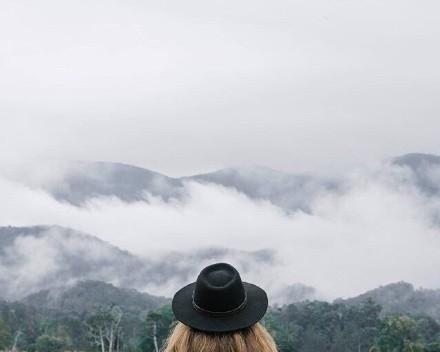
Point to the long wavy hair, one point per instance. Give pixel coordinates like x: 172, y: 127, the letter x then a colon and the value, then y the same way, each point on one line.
x: 252, y: 339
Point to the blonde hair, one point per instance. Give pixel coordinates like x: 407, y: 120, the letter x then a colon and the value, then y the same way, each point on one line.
x: 252, y: 339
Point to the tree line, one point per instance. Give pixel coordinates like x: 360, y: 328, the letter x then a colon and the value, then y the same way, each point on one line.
x: 311, y: 326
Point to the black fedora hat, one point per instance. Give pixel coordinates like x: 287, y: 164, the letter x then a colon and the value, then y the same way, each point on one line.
x: 219, y: 301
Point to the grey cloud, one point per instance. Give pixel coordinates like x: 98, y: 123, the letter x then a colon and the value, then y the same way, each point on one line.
x: 45, y: 257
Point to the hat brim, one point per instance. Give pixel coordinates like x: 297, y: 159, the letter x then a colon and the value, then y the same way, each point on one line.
x: 253, y: 311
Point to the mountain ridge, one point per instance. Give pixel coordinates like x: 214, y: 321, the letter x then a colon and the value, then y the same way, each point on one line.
x: 401, y: 297
x: 43, y: 257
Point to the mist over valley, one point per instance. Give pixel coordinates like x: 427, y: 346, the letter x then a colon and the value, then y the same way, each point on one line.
x: 65, y: 222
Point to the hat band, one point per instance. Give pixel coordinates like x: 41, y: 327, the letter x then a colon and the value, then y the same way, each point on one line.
x: 234, y: 310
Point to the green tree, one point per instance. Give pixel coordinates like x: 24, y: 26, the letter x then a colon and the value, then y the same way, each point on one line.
x: 322, y: 326
x: 46, y: 343
x: 157, y: 326
x: 286, y: 332
x: 432, y: 347
x: 428, y: 329
x: 399, y: 334
x: 361, y: 324
x: 5, y: 336
x: 104, y: 328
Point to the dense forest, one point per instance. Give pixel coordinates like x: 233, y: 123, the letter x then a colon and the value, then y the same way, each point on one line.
x: 94, y: 316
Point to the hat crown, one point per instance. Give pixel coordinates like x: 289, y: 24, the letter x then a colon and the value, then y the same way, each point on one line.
x: 219, y: 289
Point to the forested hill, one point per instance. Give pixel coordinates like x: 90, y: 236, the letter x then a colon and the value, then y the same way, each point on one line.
x: 86, y: 296
x: 38, y: 258
x: 402, y: 298
x: 62, y: 317
x: 66, y: 319
x: 42, y: 257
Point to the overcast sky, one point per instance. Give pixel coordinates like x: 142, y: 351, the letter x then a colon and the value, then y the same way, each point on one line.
x: 188, y: 86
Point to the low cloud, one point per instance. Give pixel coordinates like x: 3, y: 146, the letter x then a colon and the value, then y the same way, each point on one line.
x: 46, y: 257
x: 376, y: 230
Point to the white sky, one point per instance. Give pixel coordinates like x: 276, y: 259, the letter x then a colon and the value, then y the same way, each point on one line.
x: 188, y: 86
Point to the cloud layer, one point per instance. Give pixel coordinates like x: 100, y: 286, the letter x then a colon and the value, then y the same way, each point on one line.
x: 379, y: 229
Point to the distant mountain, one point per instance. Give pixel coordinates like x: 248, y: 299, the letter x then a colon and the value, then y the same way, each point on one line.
x: 285, y: 190
x: 425, y: 171
x: 417, y: 161
x: 402, y: 298
x: 82, y: 181
x: 79, y: 182
x: 86, y: 296
x: 40, y: 257
x: 43, y: 257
